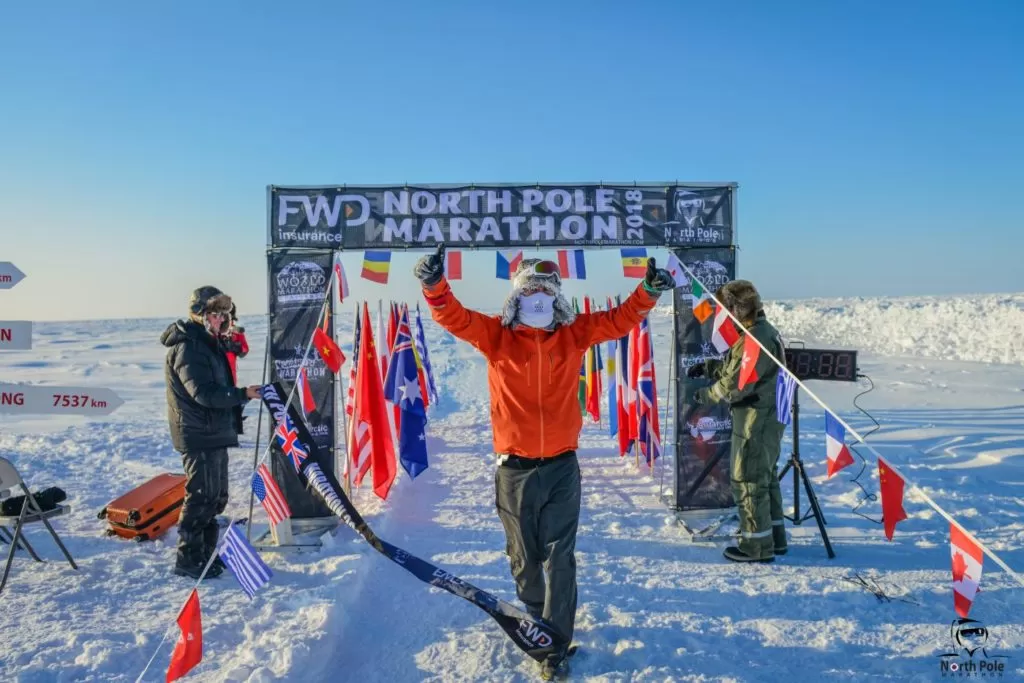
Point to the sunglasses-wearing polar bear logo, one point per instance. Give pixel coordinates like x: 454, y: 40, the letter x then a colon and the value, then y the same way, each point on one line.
x: 690, y: 208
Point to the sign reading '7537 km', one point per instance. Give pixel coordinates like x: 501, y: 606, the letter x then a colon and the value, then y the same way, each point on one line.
x: 28, y: 399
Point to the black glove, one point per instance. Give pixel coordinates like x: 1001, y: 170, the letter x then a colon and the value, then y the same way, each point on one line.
x: 696, y: 371
x: 430, y: 268
x: 657, y: 280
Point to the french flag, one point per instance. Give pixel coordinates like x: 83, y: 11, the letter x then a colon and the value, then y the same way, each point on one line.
x: 571, y: 264
x: 835, y: 445
x: 508, y: 261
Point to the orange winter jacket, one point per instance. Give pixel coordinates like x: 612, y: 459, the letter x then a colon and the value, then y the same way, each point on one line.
x: 533, y: 375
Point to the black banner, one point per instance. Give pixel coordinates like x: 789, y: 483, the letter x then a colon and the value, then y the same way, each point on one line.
x: 496, y: 216
x: 298, y: 284
x: 535, y: 637
x: 703, y: 433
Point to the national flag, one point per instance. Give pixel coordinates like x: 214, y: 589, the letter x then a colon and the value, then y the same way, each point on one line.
x: 244, y: 562
x: 649, y: 437
x: 748, y: 363
x: 891, y: 486
x: 703, y: 306
x: 591, y: 395
x: 675, y: 268
x: 304, y: 392
x: 723, y: 333
x: 288, y: 440
x: 188, y: 651
x: 340, y: 281
x: 571, y: 264
x: 420, y: 373
x: 835, y: 445
x: 270, y: 495
x: 350, y: 398
x: 328, y: 350
x: 403, y: 389
x: 785, y: 388
x: 376, y: 266
x: 424, y: 353
x: 622, y: 394
x: 634, y: 261
x: 634, y: 381
x: 381, y: 342
x: 392, y: 333
x: 611, y: 368
x: 453, y: 265
x: 967, y: 560
x: 375, y: 443
x: 507, y: 262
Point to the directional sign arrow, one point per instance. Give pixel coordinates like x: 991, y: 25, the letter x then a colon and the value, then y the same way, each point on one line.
x: 15, y: 335
x: 9, y: 275
x: 31, y: 399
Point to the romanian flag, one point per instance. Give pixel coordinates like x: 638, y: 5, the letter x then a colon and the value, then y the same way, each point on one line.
x: 376, y: 266
x: 634, y: 262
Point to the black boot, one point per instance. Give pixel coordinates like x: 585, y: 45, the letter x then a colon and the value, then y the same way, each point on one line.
x: 736, y: 555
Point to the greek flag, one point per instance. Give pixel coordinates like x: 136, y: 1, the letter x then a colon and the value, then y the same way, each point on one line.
x: 244, y: 561
x: 785, y: 385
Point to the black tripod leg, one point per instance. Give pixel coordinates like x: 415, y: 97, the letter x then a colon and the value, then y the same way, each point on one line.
x: 817, y: 513
x: 782, y: 474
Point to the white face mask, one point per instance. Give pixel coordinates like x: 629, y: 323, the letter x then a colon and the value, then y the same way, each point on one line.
x: 537, y: 310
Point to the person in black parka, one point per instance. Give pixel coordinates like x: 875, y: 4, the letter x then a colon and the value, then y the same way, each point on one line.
x: 204, y: 412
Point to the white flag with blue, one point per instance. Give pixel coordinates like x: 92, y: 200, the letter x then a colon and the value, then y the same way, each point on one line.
x: 243, y: 560
x: 785, y: 386
x: 402, y: 388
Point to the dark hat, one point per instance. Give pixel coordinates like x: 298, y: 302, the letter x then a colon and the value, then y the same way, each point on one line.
x: 208, y: 299
x: 741, y: 298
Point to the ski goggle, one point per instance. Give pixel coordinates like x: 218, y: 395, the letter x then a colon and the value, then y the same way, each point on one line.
x: 542, y: 269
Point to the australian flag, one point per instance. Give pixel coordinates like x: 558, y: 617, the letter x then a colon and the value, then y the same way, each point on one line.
x: 402, y: 388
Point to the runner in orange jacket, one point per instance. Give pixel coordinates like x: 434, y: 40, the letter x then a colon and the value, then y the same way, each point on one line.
x: 534, y: 351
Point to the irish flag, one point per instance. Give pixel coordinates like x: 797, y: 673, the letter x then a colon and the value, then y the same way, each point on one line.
x: 702, y: 304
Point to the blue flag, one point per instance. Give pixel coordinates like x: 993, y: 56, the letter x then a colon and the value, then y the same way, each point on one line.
x: 402, y: 388
x: 421, y: 348
x: 243, y: 560
x: 785, y: 386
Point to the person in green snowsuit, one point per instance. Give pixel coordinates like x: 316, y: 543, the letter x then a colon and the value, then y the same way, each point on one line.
x: 756, y: 431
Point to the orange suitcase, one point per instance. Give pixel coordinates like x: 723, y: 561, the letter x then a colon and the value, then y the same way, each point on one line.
x: 147, y: 511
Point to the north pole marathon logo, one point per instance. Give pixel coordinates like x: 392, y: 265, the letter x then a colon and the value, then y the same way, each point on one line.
x: 301, y: 282
x: 288, y: 368
x: 711, y: 274
x: 970, y: 655
x: 689, y: 208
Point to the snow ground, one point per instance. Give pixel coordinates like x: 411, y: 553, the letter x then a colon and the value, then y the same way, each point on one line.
x: 654, y: 606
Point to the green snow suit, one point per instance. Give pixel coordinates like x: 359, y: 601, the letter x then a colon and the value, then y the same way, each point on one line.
x: 756, y: 440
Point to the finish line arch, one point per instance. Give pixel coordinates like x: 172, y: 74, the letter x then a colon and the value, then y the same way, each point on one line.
x: 306, y: 225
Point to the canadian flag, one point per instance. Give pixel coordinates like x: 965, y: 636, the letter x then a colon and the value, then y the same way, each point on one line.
x: 967, y: 557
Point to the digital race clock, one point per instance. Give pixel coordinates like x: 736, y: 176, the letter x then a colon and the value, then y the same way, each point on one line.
x: 827, y: 364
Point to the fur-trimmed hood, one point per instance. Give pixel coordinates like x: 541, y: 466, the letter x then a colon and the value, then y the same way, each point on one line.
x: 741, y: 298
x: 564, y: 313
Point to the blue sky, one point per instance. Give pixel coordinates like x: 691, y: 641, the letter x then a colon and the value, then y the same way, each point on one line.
x: 877, y: 145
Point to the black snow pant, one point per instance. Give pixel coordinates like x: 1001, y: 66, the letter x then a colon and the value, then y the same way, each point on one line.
x: 206, y: 496
x: 539, y: 506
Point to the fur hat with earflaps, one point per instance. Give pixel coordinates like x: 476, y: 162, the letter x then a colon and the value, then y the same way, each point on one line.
x: 527, y: 278
x: 208, y: 299
x: 741, y: 298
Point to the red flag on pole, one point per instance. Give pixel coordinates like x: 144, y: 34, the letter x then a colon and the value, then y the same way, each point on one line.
x: 372, y: 429
x: 891, y: 486
x: 189, y: 649
x: 328, y: 350
x: 748, y: 363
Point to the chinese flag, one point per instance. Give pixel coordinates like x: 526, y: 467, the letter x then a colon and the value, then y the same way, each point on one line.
x: 891, y: 486
x: 748, y: 363
x: 328, y: 350
x: 371, y: 417
x: 189, y: 650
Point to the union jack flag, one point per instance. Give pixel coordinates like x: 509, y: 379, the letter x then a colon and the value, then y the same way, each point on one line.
x: 650, y: 439
x: 288, y: 439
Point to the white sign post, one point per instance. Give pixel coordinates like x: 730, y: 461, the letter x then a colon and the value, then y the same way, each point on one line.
x: 9, y: 275
x: 15, y: 335
x: 32, y: 399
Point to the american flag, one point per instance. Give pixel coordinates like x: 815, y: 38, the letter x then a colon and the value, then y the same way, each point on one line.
x: 270, y: 496
x: 243, y: 560
x: 288, y: 438
x: 785, y: 386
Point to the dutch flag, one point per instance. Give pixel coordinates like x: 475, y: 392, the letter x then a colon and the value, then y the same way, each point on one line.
x: 571, y: 264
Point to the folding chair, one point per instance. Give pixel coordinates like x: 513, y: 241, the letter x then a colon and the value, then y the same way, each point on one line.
x: 10, y: 481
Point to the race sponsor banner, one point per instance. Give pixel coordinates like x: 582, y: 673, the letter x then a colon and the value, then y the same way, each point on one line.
x: 15, y: 335
x: 29, y: 399
x: 500, y: 216
x: 10, y: 275
x: 298, y: 284
x: 703, y: 432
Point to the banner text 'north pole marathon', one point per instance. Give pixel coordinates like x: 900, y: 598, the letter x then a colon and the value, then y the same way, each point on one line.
x: 501, y: 216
